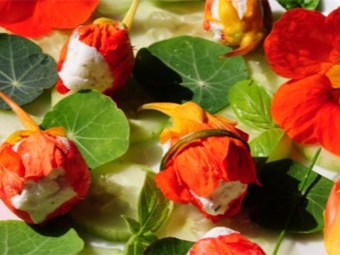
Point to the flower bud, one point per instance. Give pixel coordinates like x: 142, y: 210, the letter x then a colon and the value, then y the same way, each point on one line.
x: 222, y: 240
x: 240, y: 24
x: 208, y: 163
x: 42, y: 173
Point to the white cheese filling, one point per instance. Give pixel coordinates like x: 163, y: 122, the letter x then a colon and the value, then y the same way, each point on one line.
x: 218, y: 202
x: 85, y: 67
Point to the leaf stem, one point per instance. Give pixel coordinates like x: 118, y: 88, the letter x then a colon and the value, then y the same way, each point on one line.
x: 302, y: 187
x: 128, y: 19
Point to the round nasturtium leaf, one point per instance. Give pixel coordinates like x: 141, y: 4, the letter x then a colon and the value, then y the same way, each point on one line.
x: 94, y: 123
x: 187, y: 68
x: 25, y: 71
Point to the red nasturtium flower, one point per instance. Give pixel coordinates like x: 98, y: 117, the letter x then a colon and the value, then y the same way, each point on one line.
x: 222, y: 240
x: 97, y: 56
x: 241, y: 24
x: 42, y: 173
x: 332, y: 221
x: 307, y: 106
x: 208, y: 163
x: 38, y: 17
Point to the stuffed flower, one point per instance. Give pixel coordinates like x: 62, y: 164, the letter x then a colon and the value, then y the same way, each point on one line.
x: 307, y: 106
x: 332, y: 221
x: 42, y: 173
x: 222, y: 240
x: 208, y: 163
x: 240, y: 24
x: 97, y: 56
x: 35, y: 18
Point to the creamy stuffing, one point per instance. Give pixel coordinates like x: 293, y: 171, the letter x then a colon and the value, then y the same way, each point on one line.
x: 85, y: 67
x: 218, y: 202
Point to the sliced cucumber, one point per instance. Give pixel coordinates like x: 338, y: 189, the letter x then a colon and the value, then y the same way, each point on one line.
x: 114, y: 191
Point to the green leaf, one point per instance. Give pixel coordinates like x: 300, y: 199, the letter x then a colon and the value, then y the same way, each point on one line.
x: 288, y: 199
x: 25, y: 71
x: 266, y: 142
x: 307, y: 4
x: 169, y: 246
x: 18, y: 238
x: 153, y: 206
x: 197, y: 72
x: 136, y: 245
x: 133, y: 225
x: 99, y: 129
x: 251, y: 104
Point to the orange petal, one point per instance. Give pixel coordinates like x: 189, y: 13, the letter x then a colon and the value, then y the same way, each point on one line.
x: 332, y: 221
x: 299, y: 44
x: 23, y: 10
x: 296, y: 104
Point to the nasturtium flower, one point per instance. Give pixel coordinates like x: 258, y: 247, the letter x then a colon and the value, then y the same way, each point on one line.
x: 222, y: 240
x: 97, y: 56
x: 239, y: 24
x: 305, y: 42
x: 307, y: 106
x: 35, y: 18
x: 42, y: 173
x: 208, y: 163
x: 332, y: 221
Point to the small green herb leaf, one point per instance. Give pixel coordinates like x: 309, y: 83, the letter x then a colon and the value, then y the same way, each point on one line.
x: 169, y: 246
x: 288, y: 199
x: 307, y: 4
x: 197, y: 73
x: 251, y: 104
x: 25, y: 71
x: 134, y: 225
x: 265, y: 143
x: 99, y: 129
x: 18, y: 238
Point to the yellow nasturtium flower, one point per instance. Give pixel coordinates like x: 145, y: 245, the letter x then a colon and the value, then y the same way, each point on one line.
x: 240, y: 24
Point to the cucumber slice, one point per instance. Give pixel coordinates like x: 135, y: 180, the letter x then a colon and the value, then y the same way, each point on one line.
x: 114, y: 191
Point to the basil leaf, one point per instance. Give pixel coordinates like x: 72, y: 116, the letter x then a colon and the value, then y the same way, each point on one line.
x: 266, y: 142
x: 307, y: 4
x: 94, y: 123
x: 251, y: 104
x: 18, y: 238
x: 169, y: 246
x: 25, y: 71
x: 189, y: 68
x: 281, y: 203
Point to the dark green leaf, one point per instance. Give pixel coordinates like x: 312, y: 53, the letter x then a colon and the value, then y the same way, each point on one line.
x: 93, y: 121
x: 25, y: 71
x: 133, y: 225
x: 307, y: 4
x: 169, y: 246
x: 197, y: 72
x: 281, y: 204
x: 18, y: 238
x: 153, y: 206
x: 251, y: 104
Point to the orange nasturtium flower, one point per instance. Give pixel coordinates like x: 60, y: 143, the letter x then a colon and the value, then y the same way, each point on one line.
x: 332, y: 221
x: 222, y: 240
x: 208, y: 163
x: 38, y: 17
x: 97, y: 56
x: 307, y: 106
x: 42, y: 173
x: 240, y: 24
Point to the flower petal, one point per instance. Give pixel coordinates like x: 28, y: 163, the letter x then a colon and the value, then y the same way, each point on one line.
x: 299, y: 44
x: 296, y: 103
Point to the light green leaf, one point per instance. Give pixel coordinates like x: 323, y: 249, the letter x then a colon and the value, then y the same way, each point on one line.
x: 307, y: 4
x: 189, y: 68
x: 25, y: 71
x: 18, y: 238
x: 134, y: 225
x: 251, y: 104
x: 266, y: 142
x: 153, y: 206
x: 99, y: 129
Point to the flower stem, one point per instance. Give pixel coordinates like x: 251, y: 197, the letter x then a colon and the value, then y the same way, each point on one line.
x: 128, y: 19
x: 26, y: 120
